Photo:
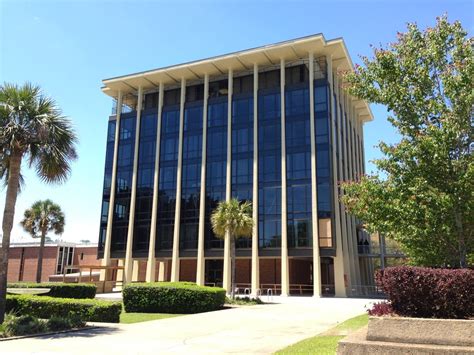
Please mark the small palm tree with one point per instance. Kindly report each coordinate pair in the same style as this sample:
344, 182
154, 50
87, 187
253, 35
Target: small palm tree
33, 128
43, 217
234, 218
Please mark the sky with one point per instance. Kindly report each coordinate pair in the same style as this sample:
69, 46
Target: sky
68, 47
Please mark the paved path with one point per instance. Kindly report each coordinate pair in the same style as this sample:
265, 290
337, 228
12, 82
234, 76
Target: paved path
261, 329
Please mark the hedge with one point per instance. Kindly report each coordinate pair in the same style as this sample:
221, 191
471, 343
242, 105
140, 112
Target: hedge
60, 289
172, 297
47, 307
429, 293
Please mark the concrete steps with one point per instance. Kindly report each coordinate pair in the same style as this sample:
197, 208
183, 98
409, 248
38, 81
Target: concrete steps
357, 344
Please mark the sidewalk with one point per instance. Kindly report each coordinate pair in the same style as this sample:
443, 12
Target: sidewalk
261, 329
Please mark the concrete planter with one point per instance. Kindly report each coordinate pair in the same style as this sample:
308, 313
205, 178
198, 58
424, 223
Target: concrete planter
458, 332
398, 335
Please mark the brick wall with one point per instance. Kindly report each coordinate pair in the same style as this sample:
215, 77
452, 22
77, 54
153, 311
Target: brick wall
85, 255
270, 271
14, 264
187, 270
50, 254
300, 271
243, 270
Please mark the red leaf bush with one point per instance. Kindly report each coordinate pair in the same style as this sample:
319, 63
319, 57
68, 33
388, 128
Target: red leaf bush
428, 293
380, 309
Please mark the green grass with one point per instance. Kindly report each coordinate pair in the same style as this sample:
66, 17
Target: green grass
326, 343
127, 318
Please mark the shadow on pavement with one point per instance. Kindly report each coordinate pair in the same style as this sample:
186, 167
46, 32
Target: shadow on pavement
89, 332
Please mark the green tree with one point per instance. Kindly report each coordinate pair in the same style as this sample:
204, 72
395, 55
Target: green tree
43, 217
422, 195
235, 219
32, 129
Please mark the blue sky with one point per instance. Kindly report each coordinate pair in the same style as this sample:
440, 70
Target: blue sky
68, 47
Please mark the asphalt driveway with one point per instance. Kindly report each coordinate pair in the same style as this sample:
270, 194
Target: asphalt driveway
261, 329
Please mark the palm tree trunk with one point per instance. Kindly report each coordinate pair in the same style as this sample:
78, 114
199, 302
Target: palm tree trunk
7, 225
39, 268
232, 280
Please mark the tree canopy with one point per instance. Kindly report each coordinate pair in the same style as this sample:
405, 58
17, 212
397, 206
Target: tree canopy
423, 192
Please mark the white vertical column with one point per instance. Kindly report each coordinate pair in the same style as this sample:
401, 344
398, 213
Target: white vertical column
200, 266
339, 261
151, 264
285, 274
131, 219
354, 117
177, 216
255, 279
228, 190
110, 212
314, 190
353, 255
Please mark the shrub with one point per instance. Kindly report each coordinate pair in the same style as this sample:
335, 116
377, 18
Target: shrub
23, 325
243, 301
172, 297
429, 293
380, 309
47, 307
60, 289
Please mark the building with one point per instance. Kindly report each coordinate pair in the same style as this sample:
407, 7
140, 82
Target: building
272, 125
23, 260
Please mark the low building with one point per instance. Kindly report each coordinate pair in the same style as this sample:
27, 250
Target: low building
23, 260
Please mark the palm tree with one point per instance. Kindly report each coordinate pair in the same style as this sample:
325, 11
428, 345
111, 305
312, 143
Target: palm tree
234, 218
32, 128
43, 217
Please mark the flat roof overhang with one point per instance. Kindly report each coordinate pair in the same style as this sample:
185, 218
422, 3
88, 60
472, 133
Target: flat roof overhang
268, 55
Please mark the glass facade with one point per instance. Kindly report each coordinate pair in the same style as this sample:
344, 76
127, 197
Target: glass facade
191, 175
123, 183
298, 162
169, 141
323, 163
269, 161
298, 159
216, 161
109, 160
145, 176
242, 147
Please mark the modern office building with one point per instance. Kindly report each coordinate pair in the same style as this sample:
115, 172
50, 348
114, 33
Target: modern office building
272, 125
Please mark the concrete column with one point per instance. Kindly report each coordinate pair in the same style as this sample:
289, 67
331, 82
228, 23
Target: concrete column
314, 190
201, 265
136, 267
354, 118
131, 219
347, 248
120, 262
255, 279
352, 242
177, 215
162, 271
151, 264
110, 213
285, 274
339, 261
227, 283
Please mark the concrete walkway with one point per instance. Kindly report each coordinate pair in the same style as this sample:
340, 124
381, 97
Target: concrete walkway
261, 329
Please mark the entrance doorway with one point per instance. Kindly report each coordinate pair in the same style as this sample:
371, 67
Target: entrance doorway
327, 276
214, 272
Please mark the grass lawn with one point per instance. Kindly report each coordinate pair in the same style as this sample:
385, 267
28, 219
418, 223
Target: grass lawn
326, 343
127, 318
